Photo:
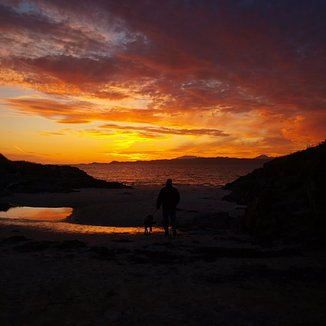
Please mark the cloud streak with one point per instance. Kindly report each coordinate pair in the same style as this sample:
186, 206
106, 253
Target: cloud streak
147, 130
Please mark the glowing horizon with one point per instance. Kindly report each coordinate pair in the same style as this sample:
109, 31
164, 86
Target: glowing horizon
97, 81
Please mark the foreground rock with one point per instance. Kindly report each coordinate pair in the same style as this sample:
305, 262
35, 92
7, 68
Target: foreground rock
21, 176
285, 198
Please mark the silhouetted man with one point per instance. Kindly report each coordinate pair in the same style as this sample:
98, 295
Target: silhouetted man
168, 198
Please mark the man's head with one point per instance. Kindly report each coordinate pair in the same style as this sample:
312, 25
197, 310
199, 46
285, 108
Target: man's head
169, 183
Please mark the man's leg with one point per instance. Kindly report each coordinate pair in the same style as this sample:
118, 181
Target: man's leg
165, 221
173, 221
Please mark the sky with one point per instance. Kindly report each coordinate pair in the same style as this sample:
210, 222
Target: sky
103, 80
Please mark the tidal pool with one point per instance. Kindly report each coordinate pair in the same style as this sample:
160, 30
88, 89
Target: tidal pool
37, 213
53, 219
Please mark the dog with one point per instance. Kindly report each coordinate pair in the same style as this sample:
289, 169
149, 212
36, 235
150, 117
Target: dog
148, 223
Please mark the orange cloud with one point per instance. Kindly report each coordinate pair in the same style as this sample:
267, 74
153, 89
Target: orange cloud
148, 130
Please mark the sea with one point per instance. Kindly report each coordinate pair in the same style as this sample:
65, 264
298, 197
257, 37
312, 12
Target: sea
182, 172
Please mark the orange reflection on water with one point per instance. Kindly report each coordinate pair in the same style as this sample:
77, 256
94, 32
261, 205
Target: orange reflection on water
93, 229
64, 227
37, 213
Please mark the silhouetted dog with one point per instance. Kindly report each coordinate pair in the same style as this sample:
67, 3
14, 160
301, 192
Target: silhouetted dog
148, 223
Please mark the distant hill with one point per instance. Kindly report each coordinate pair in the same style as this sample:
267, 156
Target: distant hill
186, 157
21, 176
192, 160
285, 197
263, 157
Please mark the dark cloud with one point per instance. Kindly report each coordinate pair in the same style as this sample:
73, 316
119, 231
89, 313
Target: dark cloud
33, 34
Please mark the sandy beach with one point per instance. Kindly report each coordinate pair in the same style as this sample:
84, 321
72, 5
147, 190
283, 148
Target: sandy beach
97, 275
128, 207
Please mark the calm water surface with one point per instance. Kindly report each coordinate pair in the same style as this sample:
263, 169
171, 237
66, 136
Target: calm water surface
157, 173
37, 213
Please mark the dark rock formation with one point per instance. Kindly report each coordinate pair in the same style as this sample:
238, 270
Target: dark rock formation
4, 207
21, 176
286, 197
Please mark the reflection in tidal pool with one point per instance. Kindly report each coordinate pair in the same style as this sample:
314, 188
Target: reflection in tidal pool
37, 213
50, 219
64, 227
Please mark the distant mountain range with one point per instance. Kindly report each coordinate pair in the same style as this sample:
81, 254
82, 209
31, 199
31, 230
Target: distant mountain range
186, 157
190, 157
264, 157
195, 160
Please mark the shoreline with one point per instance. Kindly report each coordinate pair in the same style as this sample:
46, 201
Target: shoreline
129, 207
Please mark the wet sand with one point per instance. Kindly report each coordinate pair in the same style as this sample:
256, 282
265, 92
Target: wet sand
210, 276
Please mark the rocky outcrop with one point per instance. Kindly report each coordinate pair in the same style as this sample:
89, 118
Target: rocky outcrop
285, 197
21, 176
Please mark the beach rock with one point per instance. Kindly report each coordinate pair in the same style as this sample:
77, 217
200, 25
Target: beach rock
21, 176
285, 198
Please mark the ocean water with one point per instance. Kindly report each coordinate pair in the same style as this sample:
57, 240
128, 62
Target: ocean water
182, 173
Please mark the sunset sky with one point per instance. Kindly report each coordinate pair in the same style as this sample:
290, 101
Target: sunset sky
103, 80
